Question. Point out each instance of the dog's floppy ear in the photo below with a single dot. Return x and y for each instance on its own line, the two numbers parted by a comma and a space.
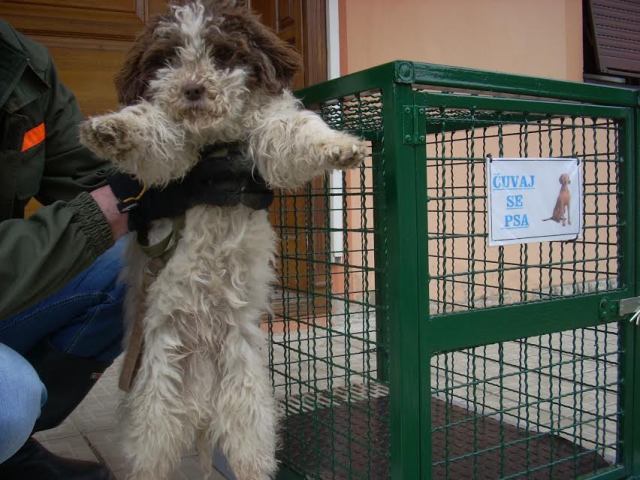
275, 62
147, 55
131, 81
242, 40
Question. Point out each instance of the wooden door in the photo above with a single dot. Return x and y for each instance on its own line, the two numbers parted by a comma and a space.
88, 40
303, 268
302, 23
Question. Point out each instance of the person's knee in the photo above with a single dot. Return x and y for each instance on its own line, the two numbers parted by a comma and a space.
21, 397
97, 330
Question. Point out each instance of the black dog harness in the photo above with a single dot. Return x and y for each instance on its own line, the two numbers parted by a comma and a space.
231, 181
234, 180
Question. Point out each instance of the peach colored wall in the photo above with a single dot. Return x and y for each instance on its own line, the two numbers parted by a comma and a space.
531, 37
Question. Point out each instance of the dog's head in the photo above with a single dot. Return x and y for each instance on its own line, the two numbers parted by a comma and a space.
565, 179
200, 61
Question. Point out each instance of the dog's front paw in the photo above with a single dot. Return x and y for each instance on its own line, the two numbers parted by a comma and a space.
106, 136
345, 151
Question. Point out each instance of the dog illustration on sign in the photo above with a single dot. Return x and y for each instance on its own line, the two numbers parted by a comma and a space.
562, 203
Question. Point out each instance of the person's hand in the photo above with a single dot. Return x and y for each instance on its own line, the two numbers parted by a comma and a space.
212, 181
108, 204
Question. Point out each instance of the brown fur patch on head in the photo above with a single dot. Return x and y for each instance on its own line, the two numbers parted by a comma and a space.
147, 55
241, 40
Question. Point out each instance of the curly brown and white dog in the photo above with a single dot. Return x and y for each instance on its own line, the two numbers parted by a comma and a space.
209, 72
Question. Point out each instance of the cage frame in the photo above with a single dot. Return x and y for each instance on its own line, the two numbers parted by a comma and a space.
416, 336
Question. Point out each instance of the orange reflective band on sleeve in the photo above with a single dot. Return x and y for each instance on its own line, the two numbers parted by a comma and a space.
33, 137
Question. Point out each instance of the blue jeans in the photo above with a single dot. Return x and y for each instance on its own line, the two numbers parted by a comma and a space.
84, 319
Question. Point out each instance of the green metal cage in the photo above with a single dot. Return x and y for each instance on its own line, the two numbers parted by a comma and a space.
403, 346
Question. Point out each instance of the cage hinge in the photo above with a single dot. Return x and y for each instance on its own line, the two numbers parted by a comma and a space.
414, 125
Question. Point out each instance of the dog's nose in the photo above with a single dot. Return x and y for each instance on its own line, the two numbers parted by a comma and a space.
193, 92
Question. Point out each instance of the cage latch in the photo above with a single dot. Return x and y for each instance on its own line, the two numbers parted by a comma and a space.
613, 309
629, 305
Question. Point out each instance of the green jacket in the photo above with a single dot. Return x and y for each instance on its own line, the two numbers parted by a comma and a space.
40, 254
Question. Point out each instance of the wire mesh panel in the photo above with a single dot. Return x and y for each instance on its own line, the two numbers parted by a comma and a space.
465, 273
401, 344
539, 407
543, 407
327, 319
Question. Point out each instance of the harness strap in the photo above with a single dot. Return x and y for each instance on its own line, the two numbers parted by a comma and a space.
158, 255
164, 248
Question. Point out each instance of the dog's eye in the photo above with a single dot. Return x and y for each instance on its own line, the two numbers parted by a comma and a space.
159, 57
223, 55
154, 62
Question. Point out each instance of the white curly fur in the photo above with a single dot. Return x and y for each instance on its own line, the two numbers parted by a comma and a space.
203, 376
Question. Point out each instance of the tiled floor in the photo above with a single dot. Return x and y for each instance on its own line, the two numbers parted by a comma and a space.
90, 433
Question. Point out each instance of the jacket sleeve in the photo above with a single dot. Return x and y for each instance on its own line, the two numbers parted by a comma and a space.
40, 254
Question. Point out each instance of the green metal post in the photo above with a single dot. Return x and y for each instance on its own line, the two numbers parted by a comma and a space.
631, 382
381, 259
420, 179
404, 290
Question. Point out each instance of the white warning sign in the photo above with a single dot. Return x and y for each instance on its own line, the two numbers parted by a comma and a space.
534, 200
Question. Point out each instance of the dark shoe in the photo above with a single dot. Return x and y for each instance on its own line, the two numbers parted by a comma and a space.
34, 462
68, 380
